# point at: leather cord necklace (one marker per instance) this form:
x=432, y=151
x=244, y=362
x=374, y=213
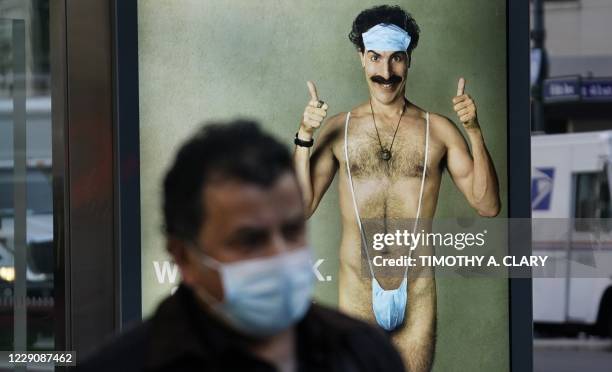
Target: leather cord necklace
x=385, y=154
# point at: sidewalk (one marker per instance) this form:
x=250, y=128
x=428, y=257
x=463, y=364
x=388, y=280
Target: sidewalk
x=601, y=344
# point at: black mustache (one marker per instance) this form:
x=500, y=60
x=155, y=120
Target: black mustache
x=381, y=80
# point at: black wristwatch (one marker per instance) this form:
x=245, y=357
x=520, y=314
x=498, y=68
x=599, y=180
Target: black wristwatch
x=303, y=143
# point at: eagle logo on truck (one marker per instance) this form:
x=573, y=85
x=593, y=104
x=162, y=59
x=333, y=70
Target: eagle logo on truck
x=541, y=188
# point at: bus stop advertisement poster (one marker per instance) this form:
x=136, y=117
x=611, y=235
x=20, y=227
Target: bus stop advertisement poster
x=201, y=61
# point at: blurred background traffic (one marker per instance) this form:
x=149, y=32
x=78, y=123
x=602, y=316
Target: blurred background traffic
x=571, y=78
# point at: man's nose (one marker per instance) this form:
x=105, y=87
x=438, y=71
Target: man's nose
x=385, y=70
x=278, y=244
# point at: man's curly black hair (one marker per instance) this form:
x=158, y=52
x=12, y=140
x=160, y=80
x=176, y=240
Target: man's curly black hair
x=237, y=150
x=384, y=14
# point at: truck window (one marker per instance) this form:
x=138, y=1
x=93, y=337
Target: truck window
x=592, y=200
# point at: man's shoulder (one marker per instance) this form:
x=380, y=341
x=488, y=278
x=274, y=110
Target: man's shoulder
x=345, y=327
x=443, y=128
x=124, y=352
x=331, y=131
x=336, y=320
x=435, y=118
x=439, y=119
x=337, y=119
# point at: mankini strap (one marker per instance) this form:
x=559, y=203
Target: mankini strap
x=350, y=178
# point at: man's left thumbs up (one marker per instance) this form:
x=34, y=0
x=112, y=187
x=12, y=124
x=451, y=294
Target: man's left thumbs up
x=465, y=107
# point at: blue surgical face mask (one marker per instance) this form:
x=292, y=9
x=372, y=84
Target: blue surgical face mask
x=389, y=306
x=264, y=296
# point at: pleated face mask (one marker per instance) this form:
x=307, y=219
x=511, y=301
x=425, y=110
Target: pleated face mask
x=389, y=306
x=386, y=38
x=264, y=296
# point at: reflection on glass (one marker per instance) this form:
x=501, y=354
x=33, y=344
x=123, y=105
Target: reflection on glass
x=26, y=200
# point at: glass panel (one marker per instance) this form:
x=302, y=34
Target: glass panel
x=26, y=200
x=592, y=200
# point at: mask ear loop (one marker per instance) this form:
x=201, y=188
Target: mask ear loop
x=213, y=305
x=213, y=264
x=207, y=260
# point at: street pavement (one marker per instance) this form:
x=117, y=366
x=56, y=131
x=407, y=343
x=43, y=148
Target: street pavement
x=572, y=355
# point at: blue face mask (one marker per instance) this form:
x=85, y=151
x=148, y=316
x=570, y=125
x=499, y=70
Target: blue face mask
x=264, y=296
x=389, y=306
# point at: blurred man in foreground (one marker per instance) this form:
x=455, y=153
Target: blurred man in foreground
x=235, y=225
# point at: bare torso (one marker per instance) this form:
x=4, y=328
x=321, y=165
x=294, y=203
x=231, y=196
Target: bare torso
x=384, y=191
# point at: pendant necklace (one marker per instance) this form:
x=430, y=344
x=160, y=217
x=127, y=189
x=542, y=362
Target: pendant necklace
x=385, y=154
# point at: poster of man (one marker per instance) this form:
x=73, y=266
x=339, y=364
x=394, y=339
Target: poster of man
x=395, y=114
x=389, y=155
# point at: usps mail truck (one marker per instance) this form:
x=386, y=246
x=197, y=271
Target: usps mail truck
x=570, y=201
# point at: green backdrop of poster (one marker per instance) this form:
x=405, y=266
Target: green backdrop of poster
x=208, y=60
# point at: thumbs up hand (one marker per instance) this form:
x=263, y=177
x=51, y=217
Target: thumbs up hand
x=314, y=113
x=465, y=107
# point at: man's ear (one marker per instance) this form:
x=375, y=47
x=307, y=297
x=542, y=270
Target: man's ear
x=179, y=251
x=409, y=59
x=362, y=58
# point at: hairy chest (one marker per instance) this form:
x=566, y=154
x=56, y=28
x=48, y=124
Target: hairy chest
x=405, y=157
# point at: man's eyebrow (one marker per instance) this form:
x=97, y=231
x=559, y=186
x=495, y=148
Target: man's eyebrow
x=246, y=232
x=398, y=52
x=250, y=230
x=371, y=51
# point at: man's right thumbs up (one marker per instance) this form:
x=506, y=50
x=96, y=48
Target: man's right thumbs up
x=314, y=113
x=314, y=97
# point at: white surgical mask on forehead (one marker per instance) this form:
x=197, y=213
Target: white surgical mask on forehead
x=386, y=38
x=263, y=296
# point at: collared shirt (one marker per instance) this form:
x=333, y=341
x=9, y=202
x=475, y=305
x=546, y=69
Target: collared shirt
x=181, y=336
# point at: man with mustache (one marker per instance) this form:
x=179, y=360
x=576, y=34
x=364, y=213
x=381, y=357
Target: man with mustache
x=390, y=154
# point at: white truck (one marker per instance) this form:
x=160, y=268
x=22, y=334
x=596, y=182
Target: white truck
x=571, y=176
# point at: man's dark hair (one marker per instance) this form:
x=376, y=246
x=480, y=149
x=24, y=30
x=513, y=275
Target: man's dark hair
x=384, y=14
x=237, y=150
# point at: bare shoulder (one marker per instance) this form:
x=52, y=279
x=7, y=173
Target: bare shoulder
x=336, y=120
x=443, y=128
x=331, y=130
x=439, y=125
x=441, y=122
x=333, y=125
